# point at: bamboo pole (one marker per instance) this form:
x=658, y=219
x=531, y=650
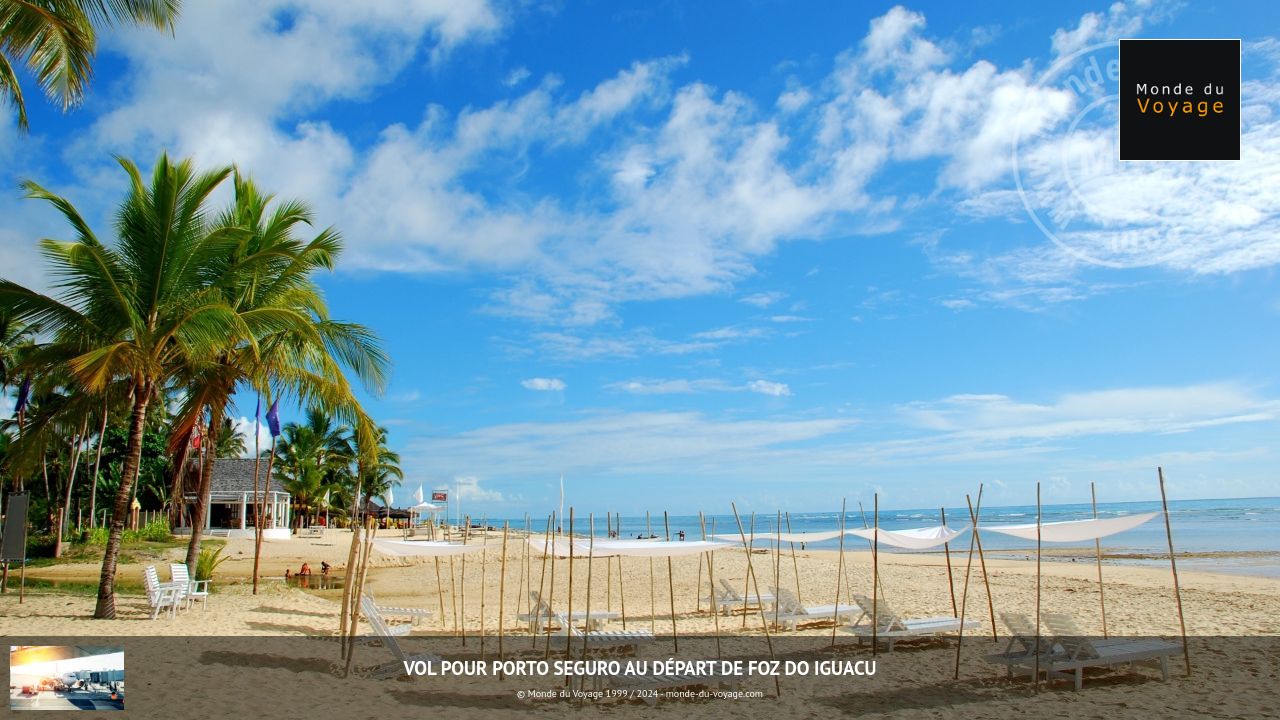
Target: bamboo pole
x=568, y=632
x=1097, y=549
x=975, y=515
x=964, y=595
x=484, y=564
x=879, y=586
x=502, y=588
x=462, y=580
x=671, y=586
x=591, y=554
x=751, y=575
x=608, y=563
x=698, y=583
x=844, y=506
x=795, y=564
x=946, y=549
x=711, y=582
x=777, y=564
x=777, y=683
x=551, y=588
x=875, y=575
x=440, y=591
x=1173, y=564
x=453, y=595
x=653, y=604
x=542, y=581
x=1038, y=521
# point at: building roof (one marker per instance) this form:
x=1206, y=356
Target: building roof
x=236, y=475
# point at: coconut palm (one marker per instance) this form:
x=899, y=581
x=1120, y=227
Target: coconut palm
x=138, y=310
x=57, y=39
x=295, y=350
x=314, y=459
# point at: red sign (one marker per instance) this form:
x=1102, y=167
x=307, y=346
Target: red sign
x=439, y=497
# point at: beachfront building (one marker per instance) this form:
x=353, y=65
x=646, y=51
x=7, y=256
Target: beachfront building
x=231, y=506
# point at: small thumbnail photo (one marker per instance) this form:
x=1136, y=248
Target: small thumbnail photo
x=66, y=677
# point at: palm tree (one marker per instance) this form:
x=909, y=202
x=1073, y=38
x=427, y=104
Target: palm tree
x=230, y=442
x=313, y=460
x=295, y=349
x=138, y=310
x=57, y=39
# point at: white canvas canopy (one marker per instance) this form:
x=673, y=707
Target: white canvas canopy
x=800, y=537
x=423, y=548
x=626, y=548
x=1074, y=530
x=912, y=539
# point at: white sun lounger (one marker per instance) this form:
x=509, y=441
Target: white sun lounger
x=890, y=627
x=1022, y=645
x=542, y=615
x=791, y=613
x=414, y=614
x=600, y=639
x=160, y=596
x=387, y=636
x=190, y=590
x=1079, y=652
x=729, y=599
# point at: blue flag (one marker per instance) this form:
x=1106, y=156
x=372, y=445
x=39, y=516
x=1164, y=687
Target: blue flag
x=24, y=394
x=273, y=418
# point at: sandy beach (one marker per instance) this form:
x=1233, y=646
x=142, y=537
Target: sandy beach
x=1232, y=619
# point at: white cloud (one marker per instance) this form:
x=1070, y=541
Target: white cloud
x=244, y=428
x=762, y=299
x=467, y=487
x=766, y=387
x=543, y=384
x=1122, y=19
x=516, y=76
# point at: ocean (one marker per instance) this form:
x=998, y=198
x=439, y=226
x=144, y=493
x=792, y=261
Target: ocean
x=1237, y=535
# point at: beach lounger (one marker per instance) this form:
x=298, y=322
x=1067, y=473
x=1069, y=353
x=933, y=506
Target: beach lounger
x=790, y=613
x=890, y=627
x=191, y=590
x=414, y=614
x=600, y=639
x=729, y=599
x=1080, y=652
x=313, y=531
x=160, y=596
x=1021, y=649
x=542, y=615
x=387, y=635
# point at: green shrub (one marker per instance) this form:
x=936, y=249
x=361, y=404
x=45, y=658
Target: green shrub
x=96, y=536
x=208, y=561
x=155, y=531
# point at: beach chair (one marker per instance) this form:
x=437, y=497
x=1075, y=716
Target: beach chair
x=191, y=590
x=790, y=613
x=387, y=635
x=728, y=599
x=1020, y=651
x=160, y=596
x=542, y=615
x=891, y=627
x=414, y=614
x=600, y=639
x=1080, y=652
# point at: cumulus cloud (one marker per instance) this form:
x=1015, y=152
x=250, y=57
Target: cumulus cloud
x=766, y=387
x=468, y=488
x=543, y=384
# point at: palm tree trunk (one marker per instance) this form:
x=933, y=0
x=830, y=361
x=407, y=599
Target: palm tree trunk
x=97, y=465
x=106, y=608
x=71, y=482
x=176, y=486
x=206, y=483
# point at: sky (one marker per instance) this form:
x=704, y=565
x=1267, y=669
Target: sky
x=775, y=253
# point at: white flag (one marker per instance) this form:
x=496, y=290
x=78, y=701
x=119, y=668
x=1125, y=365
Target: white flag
x=389, y=497
x=417, y=496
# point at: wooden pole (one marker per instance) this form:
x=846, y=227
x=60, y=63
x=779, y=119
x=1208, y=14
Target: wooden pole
x=946, y=549
x=671, y=586
x=453, y=595
x=975, y=515
x=777, y=564
x=875, y=575
x=440, y=591
x=698, y=584
x=653, y=604
x=795, y=564
x=551, y=587
x=1097, y=549
x=484, y=565
x=591, y=555
x=764, y=624
x=711, y=582
x=964, y=595
x=751, y=576
x=1038, y=521
x=568, y=633
x=542, y=581
x=840, y=567
x=1173, y=564
x=608, y=564
x=462, y=580
x=865, y=526
x=502, y=587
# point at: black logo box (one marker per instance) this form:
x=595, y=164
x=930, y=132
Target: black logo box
x=1158, y=78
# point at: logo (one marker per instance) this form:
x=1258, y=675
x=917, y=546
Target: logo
x=1179, y=99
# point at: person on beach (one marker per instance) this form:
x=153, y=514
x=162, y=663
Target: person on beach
x=287, y=575
x=304, y=570
x=681, y=536
x=324, y=568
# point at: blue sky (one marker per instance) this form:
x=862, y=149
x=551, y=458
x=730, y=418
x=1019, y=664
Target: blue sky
x=771, y=252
